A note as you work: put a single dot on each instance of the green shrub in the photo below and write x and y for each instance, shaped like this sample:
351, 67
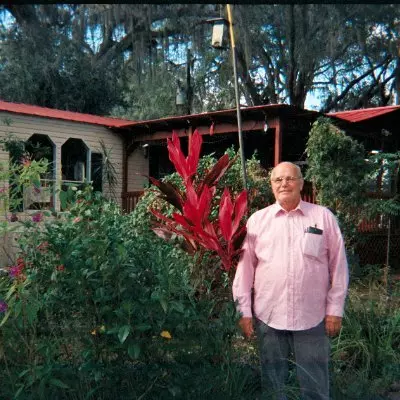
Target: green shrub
93, 305
205, 272
260, 193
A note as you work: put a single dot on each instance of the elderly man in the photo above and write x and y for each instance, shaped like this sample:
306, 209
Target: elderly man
294, 260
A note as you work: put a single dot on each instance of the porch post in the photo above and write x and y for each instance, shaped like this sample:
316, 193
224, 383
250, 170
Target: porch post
190, 131
89, 165
278, 141
124, 174
57, 176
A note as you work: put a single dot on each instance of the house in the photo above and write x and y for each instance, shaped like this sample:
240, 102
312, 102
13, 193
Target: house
138, 148
72, 144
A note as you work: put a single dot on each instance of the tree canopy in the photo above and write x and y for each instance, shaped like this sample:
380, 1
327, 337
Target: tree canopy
128, 60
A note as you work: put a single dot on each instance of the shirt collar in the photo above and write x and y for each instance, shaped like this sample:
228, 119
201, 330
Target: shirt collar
279, 210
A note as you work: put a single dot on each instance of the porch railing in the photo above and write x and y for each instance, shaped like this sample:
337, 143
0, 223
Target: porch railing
130, 200
308, 193
377, 225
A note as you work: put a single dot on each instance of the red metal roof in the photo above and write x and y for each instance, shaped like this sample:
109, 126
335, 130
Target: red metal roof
363, 114
27, 109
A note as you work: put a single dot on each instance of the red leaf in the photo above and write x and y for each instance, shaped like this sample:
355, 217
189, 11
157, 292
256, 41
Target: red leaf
209, 228
207, 241
190, 240
192, 214
214, 175
171, 192
190, 207
176, 156
225, 215
161, 216
180, 219
238, 238
205, 203
191, 195
240, 209
194, 152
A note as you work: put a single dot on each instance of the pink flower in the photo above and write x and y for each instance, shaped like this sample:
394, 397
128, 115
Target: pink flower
15, 271
3, 306
26, 162
20, 262
43, 247
37, 217
77, 219
13, 217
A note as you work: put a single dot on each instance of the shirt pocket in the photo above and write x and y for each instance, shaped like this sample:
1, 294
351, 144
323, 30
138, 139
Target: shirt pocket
313, 245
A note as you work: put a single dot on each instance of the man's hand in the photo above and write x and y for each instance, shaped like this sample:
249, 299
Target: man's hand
246, 324
332, 325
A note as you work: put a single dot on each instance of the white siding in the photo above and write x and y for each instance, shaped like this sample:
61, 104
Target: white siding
137, 165
59, 132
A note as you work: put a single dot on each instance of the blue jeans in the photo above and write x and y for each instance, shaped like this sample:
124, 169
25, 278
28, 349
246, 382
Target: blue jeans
311, 350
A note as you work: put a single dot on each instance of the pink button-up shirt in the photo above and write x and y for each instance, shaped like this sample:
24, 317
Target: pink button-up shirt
298, 277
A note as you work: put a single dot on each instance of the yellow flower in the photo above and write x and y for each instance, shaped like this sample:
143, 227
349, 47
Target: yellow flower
166, 335
93, 332
102, 329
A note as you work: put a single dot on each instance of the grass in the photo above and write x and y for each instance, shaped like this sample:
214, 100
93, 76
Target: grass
366, 354
365, 361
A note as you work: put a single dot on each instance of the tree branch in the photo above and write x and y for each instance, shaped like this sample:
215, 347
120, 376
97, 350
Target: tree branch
334, 102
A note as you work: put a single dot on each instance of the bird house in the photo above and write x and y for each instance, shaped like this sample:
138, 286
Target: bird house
220, 33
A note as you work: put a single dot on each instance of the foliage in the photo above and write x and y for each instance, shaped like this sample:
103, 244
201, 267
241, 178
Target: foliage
16, 175
339, 173
259, 189
224, 235
47, 62
14, 146
126, 58
366, 356
149, 96
342, 174
386, 171
92, 306
108, 169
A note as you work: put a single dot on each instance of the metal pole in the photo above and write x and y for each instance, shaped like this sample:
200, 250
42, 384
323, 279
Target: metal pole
239, 118
387, 268
188, 84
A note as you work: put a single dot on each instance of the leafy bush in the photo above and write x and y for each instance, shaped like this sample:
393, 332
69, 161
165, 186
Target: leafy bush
338, 171
93, 306
260, 192
205, 273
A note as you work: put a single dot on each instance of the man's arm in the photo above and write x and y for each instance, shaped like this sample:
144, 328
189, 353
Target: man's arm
243, 283
339, 278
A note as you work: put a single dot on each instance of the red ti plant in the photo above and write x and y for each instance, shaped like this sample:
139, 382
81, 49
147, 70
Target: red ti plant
223, 235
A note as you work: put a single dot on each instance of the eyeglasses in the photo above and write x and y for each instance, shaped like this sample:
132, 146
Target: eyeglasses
288, 179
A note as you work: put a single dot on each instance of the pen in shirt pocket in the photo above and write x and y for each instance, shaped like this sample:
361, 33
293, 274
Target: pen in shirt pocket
314, 230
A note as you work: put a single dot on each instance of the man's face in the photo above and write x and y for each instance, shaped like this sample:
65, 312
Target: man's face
287, 192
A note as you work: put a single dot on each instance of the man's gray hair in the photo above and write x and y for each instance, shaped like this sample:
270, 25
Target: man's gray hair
300, 175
